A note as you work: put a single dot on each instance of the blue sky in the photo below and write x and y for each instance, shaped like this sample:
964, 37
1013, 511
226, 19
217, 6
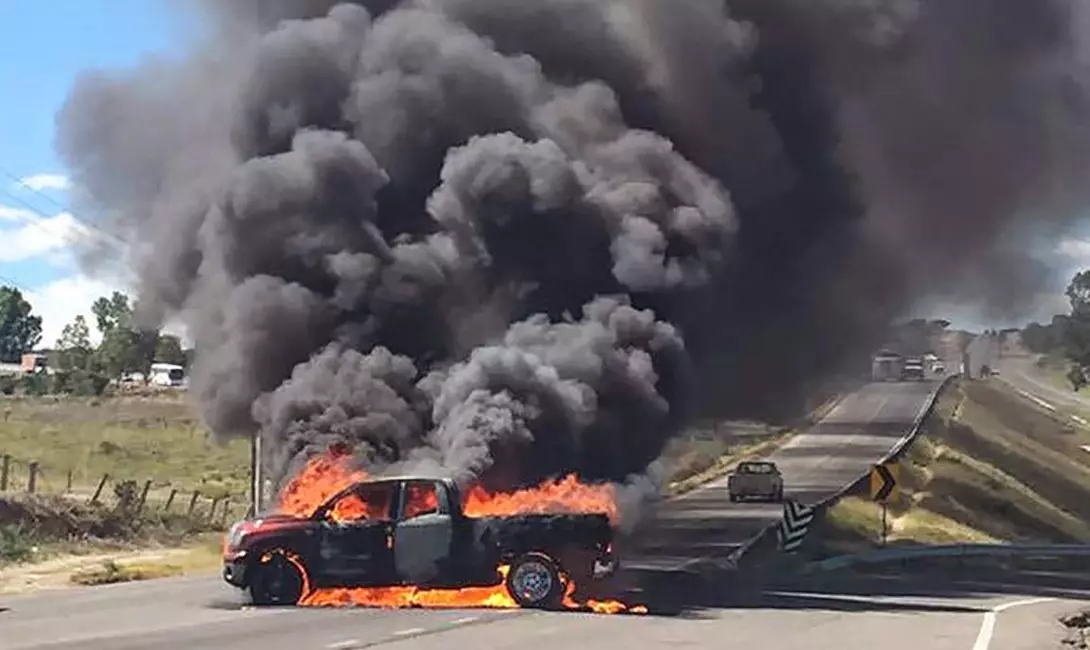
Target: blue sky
44, 44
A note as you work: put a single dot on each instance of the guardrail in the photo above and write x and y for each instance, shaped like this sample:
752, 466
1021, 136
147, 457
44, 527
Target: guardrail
895, 453
951, 551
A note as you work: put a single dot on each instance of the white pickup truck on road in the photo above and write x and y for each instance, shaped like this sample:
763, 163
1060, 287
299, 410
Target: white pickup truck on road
760, 479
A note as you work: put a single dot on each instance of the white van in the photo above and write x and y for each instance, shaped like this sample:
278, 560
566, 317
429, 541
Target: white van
167, 374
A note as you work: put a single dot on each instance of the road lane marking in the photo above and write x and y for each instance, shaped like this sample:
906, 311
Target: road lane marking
467, 619
1040, 402
987, 626
344, 645
409, 632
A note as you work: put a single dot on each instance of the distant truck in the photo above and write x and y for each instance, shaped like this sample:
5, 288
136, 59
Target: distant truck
756, 479
167, 374
414, 531
887, 366
913, 370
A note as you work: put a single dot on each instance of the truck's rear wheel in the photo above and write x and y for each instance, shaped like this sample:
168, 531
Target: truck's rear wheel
277, 580
534, 582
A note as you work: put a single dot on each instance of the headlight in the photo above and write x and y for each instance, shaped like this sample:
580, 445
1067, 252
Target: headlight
235, 534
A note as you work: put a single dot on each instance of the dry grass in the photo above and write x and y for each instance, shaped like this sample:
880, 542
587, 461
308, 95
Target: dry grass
987, 467
112, 572
133, 438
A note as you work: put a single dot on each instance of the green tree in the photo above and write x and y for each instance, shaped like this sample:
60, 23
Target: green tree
168, 349
112, 313
74, 345
123, 349
1076, 329
20, 329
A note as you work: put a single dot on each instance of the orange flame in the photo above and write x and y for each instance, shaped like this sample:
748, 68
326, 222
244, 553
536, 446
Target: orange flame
328, 474
495, 597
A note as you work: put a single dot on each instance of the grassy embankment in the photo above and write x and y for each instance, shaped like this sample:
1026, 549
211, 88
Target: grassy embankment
988, 466
57, 535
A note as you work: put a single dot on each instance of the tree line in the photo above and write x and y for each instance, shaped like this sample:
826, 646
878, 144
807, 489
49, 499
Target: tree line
1067, 335
80, 366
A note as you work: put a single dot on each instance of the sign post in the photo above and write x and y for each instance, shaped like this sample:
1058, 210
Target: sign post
883, 489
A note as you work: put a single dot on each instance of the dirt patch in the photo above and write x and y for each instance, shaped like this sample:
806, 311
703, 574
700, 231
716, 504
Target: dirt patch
1078, 626
105, 568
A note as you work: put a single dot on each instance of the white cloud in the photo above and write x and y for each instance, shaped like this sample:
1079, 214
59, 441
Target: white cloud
1074, 249
28, 235
60, 301
39, 182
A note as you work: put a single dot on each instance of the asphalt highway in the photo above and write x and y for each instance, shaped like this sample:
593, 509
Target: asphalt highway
897, 614
205, 613
817, 463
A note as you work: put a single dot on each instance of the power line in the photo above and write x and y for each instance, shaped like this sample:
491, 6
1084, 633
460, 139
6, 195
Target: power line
117, 241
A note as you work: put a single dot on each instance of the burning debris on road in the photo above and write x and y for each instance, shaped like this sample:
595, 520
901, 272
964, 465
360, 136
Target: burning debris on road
504, 241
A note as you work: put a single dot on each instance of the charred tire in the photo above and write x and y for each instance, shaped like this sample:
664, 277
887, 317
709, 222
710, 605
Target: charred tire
534, 582
276, 580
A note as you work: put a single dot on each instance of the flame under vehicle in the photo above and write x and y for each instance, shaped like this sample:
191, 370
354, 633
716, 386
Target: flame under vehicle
760, 479
413, 531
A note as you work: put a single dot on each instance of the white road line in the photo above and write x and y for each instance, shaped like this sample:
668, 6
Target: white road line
344, 645
1036, 399
987, 626
467, 619
409, 632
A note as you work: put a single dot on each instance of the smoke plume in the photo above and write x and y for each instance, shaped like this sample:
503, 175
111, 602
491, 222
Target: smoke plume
516, 239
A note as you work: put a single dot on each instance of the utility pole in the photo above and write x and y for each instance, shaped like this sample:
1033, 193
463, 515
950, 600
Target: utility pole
257, 475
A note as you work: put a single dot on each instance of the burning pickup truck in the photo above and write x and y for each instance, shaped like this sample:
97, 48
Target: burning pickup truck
414, 531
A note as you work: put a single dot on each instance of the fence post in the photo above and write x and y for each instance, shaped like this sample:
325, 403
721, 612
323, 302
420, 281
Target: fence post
226, 509
68, 484
98, 490
32, 478
170, 500
144, 495
193, 502
5, 472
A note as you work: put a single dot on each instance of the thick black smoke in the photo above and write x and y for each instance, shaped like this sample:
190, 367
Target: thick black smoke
515, 239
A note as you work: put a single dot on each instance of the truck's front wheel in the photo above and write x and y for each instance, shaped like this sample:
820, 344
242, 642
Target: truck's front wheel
534, 582
277, 580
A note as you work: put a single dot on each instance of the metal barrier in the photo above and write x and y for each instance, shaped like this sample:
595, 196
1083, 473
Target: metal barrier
895, 453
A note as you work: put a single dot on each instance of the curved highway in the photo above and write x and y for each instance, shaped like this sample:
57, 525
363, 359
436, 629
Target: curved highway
205, 613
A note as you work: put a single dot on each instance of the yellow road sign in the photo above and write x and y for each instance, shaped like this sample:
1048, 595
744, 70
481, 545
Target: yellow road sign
883, 482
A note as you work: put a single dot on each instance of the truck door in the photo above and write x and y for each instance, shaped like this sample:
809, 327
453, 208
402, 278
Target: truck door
355, 537
424, 533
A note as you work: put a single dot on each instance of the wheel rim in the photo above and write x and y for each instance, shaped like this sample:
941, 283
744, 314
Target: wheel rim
532, 581
279, 575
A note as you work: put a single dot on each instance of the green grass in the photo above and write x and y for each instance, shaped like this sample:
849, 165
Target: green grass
130, 438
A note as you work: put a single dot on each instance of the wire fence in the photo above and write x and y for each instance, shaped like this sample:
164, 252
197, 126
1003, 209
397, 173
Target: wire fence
21, 476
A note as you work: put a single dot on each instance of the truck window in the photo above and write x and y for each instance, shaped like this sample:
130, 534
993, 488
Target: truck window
365, 504
755, 468
421, 498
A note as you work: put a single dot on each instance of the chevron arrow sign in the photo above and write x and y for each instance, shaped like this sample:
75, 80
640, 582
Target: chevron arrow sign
794, 525
883, 482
